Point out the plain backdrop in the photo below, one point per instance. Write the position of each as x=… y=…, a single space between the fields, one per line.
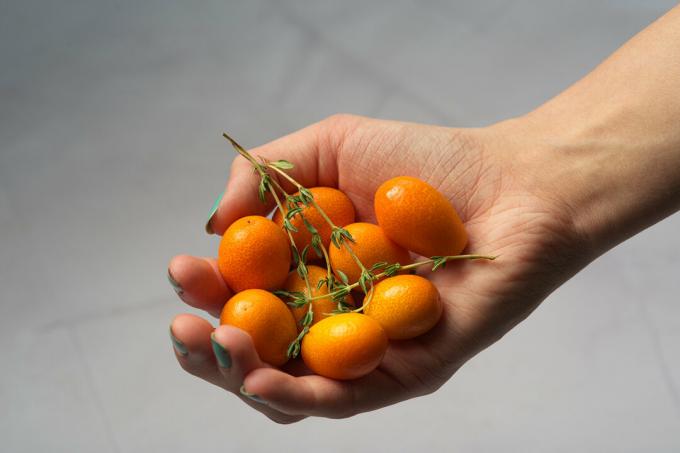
x=110 y=159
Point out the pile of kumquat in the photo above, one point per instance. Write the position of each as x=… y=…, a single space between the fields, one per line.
x=315 y=283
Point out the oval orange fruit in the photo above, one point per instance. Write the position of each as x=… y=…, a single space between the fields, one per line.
x=345 y=346
x=406 y=306
x=254 y=253
x=371 y=245
x=266 y=318
x=337 y=206
x=320 y=307
x=419 y=218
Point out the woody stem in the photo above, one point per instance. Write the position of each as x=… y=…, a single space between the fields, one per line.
x=321 y=212
x=407 y=267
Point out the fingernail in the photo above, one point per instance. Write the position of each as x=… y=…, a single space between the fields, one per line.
x=178 y=345
x=252 y=396
x=176 y=286
x=216 y=204
x=221 y=354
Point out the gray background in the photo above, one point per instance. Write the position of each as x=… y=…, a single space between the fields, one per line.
x=111 y=156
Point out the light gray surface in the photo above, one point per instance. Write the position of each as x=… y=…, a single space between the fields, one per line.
x=110 y=157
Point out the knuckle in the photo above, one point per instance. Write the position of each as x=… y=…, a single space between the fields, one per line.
x=238 y=164
x=335 y=130
x=340 y=118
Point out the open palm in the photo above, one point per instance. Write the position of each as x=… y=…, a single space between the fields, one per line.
x=506 y=203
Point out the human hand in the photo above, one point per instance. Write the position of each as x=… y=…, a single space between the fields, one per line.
x=510 y=207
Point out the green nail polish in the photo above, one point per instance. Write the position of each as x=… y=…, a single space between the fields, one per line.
x=252 y=396
x=221 y=354
x=178 y=289
x=216 y=204
x=178 y=345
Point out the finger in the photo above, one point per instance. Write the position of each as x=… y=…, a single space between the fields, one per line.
x=308 y=149
x=190 y=336
x=236 y=355
x=409 y=368
x=198 y=282
x=191 y=341
x=319 y=396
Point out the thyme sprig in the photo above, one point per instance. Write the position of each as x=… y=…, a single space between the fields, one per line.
x=268 y=184
x=389 y=270
x=340 y=237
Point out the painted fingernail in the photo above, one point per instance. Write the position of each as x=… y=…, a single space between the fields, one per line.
x=216 y=204
x=221 y=354
x=252 y=396
x=178 y=345
x=176 y=286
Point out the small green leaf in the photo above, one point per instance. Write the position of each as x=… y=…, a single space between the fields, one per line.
x=293 y=349
x=309 y=317
x=263 y=188
x=301 y=266
x=332 y=283
x=392 y=269
x=302 y=270
x=378 y=266
x=309 y=226
x=288 y=294
x=292 y=212
x=438 y=261
x=362 y=283
x=348 y=236
x=282 y=164
x=306 y=196
x=335 y=240
x=289 y=226
x=365 y=280
x=316 y=245
x=340 y=294
x=343 y=276
x=300 y=301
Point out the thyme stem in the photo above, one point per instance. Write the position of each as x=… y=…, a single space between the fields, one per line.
x=366 y=275
x=407 y=267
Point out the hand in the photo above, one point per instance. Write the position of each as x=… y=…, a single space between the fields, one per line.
x=508 y=202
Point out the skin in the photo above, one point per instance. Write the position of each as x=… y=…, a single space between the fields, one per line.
x=548 y=192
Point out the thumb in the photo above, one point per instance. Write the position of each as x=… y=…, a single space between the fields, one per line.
x=303 y=148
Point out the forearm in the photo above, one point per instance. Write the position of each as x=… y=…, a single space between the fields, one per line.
x=611 y=142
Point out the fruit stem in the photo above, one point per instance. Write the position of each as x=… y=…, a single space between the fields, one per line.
x=447 y=259
x=292 y=242
x=443 y=259
x=329 y=271
x=272 y=186
x=245 y=154
x=322 y=213
x=294 y=347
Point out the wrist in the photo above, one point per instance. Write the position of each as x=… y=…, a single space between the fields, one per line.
x=615 y=179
